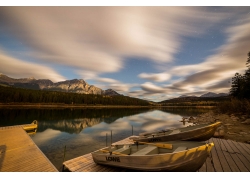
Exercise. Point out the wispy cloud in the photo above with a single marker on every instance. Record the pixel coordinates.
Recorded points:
(159, 77)
(216, 71)
(14, 67)
(220, 67)
(97, 40)
(148, 86)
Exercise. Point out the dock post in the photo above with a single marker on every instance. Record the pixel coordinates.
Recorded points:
(111, 138)
(106, 139)
(64, 153)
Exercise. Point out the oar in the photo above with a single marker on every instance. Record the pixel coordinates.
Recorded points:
(167, 146)
(117, 153)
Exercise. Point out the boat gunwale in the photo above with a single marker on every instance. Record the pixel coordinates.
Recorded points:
(161, 166)
(181, 132)
(162, 154)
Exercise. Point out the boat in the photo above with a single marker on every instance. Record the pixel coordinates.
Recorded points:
(201, 132)
(30, 127)
(172, 156)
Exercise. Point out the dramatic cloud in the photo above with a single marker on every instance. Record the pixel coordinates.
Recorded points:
(107, 80)
(220, 67)
(160, 77)
(14, 67)
(148, 86)
(216, 72)
(96, 38)
(94, 41)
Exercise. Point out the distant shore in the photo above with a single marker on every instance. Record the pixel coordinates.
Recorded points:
(49, 105)
(61, 105)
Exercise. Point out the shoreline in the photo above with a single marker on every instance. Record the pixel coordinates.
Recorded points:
(51, 105)
(234, 126)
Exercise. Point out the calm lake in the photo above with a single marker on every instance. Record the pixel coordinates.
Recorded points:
(84, 130)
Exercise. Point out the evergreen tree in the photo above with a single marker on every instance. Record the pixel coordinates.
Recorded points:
(247, 79)
(237, 85)
(241, 83)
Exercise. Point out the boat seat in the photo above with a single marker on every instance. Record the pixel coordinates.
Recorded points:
(123, 150)
(146, 151)
(180, 148)
(176, 131)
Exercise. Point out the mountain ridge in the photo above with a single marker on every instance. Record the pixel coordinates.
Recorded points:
(211, 94)
(75, 85)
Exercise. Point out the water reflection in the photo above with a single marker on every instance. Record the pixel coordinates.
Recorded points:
(84, 130)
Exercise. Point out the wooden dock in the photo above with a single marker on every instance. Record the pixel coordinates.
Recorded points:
(226, 156)
(18, 152)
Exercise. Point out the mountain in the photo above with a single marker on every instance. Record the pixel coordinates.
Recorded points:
(111, 92)
(211, 94)
(74, 85)
(184, 96)
(208, 99)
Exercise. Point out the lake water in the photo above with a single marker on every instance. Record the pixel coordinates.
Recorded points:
(85, 130)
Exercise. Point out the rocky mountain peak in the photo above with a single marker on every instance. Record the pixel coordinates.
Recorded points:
(111, 92)
(74, 85)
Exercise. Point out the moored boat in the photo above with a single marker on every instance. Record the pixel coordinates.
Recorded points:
(31, 127)
(201, 132)
(175, 156)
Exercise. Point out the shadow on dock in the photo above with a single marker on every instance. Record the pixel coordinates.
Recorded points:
(2, 154)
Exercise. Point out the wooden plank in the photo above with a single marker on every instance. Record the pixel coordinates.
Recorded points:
(245, 147)
(241, 153)
(81, 162)
(96, 167)
(234, 156)
(209, 165)
(228, 157)
(222, 156)
(89, 166)
(20, 154)
(103, 168)
(215, 158)
(203, 168)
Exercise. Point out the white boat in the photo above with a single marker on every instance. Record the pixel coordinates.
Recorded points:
(201, 132)
(178, 156)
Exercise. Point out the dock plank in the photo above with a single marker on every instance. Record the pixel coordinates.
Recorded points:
(209, 166)
(215, 158)
(203, 168)
(234, 156)
(242, 151)
(20, 154)
(245, 147)
(229, 158)
(241, 155)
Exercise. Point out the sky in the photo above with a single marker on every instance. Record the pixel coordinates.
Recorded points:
(149, 52)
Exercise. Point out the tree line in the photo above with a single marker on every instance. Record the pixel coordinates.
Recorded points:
(20, 95)
(240, 87)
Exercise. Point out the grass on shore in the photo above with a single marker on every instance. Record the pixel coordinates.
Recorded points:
(235, 106)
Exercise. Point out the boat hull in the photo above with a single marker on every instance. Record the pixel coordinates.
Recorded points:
(189, 160)
(31, 127)
(201, 133)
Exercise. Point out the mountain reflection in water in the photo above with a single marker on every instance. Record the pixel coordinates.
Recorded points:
(84, 130)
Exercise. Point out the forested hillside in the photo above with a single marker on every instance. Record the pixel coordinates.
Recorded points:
(19, 95)
(195, 101)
